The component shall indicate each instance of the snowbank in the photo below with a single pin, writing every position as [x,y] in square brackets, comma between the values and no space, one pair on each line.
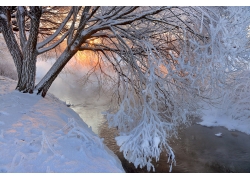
[216,117]
[44,135]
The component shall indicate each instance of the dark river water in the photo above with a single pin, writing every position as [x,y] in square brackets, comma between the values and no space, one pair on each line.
[197,149]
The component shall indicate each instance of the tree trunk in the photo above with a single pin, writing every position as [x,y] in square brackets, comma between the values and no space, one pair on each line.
[27,79]
[25,58]
[11,42]
[44,85]
[30,52]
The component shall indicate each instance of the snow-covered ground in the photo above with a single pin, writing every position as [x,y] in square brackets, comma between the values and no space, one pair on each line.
[44,135]
[215,117]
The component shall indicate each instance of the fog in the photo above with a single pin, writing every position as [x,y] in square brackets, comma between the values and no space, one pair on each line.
[89,99]
[197,149]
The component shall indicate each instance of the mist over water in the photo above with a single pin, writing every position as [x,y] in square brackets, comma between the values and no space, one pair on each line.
[88,100]
[197,149]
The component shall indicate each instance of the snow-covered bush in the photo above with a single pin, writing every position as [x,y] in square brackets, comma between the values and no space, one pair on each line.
[162,91]
[236,99]
[232,93]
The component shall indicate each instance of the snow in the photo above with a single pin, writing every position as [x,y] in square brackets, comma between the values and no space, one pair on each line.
[44,135]
[3,16]
[215,117]
[56,33]
[218,134]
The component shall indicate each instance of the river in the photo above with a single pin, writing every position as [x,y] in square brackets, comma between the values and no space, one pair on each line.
[197,149]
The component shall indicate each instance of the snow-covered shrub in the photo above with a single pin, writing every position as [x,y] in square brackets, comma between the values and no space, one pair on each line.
[236,99]
[232,92]
[162,91]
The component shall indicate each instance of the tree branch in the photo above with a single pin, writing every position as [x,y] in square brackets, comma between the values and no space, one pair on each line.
[56,33]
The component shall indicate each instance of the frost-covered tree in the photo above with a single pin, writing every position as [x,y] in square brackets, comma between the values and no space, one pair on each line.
[233,95]
[165,60]
[84,24]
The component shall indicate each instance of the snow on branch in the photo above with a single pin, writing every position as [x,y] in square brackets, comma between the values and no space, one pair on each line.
[148,116]
[2,16]
[40,51]
[166,60]
[162,87]
[57,32]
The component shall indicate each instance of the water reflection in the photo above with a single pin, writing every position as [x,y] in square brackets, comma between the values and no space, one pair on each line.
[196,150]
[91,115]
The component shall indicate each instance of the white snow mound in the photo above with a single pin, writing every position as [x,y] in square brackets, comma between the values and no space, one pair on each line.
[44,135]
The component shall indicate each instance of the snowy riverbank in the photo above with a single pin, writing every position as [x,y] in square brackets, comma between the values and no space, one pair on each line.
[214,117]
[44,135]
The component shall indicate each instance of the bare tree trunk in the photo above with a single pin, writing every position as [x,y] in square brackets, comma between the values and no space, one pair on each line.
[27,79]
[44,85]
[25,58]
[11,42]
[30,53]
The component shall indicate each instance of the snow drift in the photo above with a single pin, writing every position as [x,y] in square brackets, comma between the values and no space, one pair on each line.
[44,135]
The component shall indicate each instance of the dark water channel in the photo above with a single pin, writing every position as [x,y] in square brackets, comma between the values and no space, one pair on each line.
[197,149]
